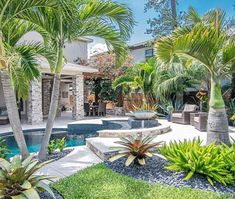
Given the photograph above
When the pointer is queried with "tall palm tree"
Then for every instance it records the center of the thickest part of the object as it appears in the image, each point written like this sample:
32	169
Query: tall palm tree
140	76
10	10
207	44
105	19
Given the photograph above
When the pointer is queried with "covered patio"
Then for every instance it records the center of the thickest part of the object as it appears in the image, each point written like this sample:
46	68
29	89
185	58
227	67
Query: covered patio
73	93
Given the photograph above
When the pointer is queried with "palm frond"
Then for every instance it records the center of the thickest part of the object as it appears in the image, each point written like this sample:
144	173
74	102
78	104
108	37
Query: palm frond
122	81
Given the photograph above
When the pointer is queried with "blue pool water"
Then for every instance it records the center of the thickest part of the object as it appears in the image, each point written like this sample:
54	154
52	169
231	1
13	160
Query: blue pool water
34	139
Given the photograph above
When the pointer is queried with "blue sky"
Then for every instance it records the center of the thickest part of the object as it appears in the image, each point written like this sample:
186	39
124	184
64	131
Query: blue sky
141	17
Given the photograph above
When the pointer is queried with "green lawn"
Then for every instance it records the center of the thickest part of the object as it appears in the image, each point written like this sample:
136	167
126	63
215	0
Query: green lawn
99	182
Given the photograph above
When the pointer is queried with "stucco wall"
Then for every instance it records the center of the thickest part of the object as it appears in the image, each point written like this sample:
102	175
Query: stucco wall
139	54
76	49
73	49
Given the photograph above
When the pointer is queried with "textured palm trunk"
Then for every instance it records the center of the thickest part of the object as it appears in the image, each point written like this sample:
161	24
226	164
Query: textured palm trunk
12	110
53	106
217	125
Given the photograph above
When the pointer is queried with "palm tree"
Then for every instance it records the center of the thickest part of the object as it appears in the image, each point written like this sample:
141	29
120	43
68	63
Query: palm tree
170	82
140	76
105	19
9	11
205	43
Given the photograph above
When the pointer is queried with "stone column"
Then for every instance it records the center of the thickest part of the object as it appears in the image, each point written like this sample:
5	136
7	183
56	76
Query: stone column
35	102
78	97
46	95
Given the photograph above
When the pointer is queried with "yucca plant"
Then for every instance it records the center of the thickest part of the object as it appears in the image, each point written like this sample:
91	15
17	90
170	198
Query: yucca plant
191	157
17	180
135	148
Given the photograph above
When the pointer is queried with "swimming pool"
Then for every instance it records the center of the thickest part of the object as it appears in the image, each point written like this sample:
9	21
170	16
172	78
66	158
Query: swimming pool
33	140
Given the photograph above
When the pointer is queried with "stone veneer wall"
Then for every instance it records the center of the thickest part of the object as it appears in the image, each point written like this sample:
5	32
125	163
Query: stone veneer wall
78	97
35	102
46	96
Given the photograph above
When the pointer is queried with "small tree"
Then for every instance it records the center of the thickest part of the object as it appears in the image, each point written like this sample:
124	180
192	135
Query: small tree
167	18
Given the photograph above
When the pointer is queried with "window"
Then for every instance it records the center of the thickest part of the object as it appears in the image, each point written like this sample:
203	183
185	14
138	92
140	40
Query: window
148	53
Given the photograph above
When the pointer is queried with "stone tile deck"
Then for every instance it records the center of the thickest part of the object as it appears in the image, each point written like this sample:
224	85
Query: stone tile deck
81	157
101	146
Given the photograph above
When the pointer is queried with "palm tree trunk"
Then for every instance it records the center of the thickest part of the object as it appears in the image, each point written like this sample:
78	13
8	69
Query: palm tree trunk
217	124
53	105
12	110
51	117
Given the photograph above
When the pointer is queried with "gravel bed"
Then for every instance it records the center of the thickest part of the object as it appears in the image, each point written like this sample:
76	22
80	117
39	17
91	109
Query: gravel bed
46	195
58	155
155	172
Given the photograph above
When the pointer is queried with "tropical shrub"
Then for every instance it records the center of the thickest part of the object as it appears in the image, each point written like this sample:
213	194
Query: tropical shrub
3	148
17	179
51	147
229	157
135	148
191	157
61	143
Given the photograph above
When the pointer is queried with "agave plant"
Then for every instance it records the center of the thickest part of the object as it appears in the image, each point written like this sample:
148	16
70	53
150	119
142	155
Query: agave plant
17	180
135	148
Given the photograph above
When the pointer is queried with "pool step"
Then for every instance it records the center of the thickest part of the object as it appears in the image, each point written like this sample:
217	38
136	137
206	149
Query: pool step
101	146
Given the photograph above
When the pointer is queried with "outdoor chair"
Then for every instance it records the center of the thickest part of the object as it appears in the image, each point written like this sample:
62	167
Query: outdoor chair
102	109
183	117
87	109
200	121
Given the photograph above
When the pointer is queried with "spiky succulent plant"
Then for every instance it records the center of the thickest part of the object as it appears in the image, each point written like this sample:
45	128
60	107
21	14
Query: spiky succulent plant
17	180
135	148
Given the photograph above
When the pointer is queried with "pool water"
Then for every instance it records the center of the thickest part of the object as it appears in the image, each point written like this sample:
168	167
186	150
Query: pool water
34	139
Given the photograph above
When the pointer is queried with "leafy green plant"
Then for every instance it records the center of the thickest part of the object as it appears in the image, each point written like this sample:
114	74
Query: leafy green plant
191	157
229	157
135	148
61	143
17	179
51	147
3	148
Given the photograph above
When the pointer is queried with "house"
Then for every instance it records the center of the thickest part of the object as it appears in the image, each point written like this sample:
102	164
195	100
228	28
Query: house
72	83
142	51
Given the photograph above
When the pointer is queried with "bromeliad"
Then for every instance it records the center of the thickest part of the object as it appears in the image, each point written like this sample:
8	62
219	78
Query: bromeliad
135	148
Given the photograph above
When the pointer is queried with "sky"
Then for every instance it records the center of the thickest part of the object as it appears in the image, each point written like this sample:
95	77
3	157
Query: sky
141	17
